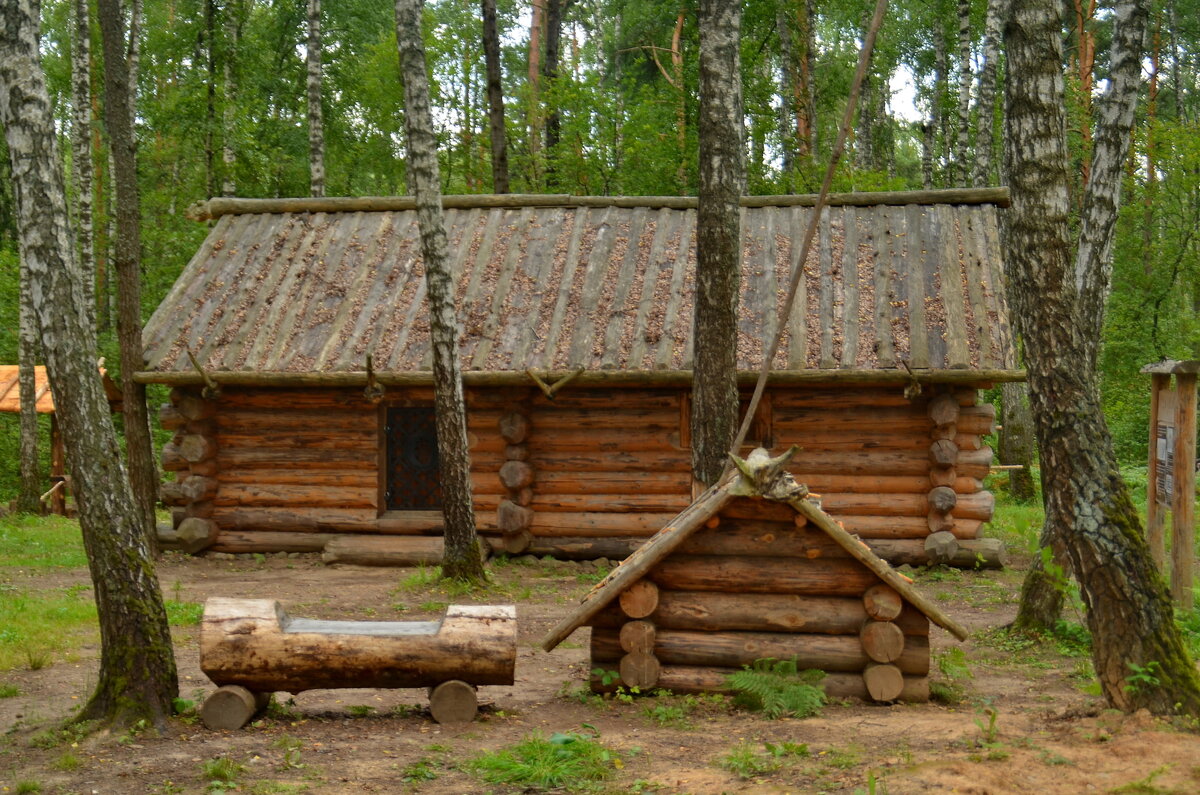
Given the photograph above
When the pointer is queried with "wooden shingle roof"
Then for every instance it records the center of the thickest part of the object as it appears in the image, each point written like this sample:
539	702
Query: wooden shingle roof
559	283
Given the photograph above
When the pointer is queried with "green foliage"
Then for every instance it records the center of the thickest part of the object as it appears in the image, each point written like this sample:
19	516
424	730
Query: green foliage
183	614
1142	676
777	689
564	760
746	761
221	774
952	665
9	690
36	624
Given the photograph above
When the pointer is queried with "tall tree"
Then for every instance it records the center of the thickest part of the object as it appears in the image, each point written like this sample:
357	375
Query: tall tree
554	18
1087	503
316	126
461	560
137	679
985	129
229	108
118	94
962	163
718	240
27	346
495	95
81	135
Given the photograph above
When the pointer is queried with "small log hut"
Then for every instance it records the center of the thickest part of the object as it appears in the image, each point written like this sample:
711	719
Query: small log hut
754	569
297	343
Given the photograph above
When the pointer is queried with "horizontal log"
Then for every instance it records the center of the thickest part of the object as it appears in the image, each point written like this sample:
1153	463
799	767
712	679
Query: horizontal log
940	547
293	399
231	707
253	643
361	520
170	418
982	553
979	420
917	527
512	518
515	542
196	448
637	635
832	577
883	603
761	537
171	493
586	440
884	681
285	476
172	459
289	420
735	649
886	461
621	525
624	461
862	396
513	427
626	502
516	452
297	440
754	612
615	417
550	482
640	599
516	475
943	409
979	505
192	406
197	488
195	534
639	670
943	453
201	510
823	483
299	458
883	641
375	550
690	679
317	494
586	548
244	541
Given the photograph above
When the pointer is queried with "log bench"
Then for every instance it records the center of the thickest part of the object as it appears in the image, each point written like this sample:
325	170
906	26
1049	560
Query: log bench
251	648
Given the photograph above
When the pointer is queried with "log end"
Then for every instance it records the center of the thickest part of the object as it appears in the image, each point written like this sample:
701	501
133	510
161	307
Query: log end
452	702
231	707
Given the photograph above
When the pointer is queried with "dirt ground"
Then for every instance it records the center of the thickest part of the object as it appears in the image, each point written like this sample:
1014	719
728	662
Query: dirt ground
1049	736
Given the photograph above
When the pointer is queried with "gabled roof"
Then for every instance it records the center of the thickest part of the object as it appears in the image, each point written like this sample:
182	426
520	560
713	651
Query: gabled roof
758	476
10	389
557	283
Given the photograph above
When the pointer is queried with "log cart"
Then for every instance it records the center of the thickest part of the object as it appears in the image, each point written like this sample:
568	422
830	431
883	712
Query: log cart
251	648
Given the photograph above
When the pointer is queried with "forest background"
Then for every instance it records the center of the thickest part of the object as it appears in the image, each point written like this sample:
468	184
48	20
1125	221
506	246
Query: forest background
605	103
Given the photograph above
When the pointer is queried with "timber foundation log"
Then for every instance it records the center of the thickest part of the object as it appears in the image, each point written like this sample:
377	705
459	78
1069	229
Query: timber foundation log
253	644
191	455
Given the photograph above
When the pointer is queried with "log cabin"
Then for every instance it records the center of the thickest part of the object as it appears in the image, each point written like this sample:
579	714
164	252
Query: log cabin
755	569
297	344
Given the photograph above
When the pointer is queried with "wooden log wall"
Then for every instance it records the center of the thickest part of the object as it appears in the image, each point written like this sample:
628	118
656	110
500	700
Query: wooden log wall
758	583
192	456
589	473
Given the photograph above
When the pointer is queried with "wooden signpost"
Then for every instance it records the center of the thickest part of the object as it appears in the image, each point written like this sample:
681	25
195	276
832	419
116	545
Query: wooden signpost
1171	471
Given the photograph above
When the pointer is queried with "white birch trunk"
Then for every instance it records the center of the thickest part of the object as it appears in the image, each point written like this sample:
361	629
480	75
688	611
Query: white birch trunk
316	129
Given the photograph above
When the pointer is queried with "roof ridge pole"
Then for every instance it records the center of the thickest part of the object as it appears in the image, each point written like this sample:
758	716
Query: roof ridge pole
839	148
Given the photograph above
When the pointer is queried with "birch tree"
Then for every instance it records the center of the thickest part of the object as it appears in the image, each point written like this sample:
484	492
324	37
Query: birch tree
27	345
316	128
137	678
461	559
714	417
1088	508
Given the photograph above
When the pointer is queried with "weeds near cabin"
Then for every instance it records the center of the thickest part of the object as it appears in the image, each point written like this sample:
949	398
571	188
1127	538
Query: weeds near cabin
62	735
777	689
563	760
361	710
985	721
1144	785
952	687
67	762
8	690
290	748
221	774
874	786
424	769
27	786
1142	676
37	623
746	760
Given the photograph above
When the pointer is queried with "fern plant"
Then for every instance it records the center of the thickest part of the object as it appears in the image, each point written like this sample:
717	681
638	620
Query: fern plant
778	689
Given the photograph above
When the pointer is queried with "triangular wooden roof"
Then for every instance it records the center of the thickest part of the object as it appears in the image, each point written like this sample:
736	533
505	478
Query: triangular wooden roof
10	389
758	476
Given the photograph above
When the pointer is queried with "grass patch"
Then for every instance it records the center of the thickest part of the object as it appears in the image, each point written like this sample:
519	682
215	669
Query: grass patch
36	624
40	542
221	774
777	689
183	614
563	760
8	690
748	760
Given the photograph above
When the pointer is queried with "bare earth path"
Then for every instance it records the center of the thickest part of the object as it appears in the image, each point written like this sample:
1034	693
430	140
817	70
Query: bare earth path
1049	736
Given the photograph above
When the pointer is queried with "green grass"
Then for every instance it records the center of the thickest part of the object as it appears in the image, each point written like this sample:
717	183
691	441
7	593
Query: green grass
40	542
183	614
564	760
35	625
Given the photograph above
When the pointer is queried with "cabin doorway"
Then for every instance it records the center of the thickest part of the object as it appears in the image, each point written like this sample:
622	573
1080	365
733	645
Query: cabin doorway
413	478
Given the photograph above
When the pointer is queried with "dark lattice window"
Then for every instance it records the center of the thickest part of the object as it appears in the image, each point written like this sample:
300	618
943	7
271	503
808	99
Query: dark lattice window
413	482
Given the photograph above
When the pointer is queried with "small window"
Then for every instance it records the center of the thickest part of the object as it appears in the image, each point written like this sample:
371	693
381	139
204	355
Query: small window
413	475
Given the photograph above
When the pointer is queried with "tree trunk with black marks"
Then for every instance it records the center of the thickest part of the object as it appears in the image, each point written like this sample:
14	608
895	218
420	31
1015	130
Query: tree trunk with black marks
985	129
1015	445
962	171
462	559
1087	503
495	94
554	12
27	347
137	679
714	417
81	153
316	128
139	447
229	108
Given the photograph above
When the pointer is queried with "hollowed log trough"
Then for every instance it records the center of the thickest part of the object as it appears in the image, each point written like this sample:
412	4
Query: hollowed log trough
250	648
